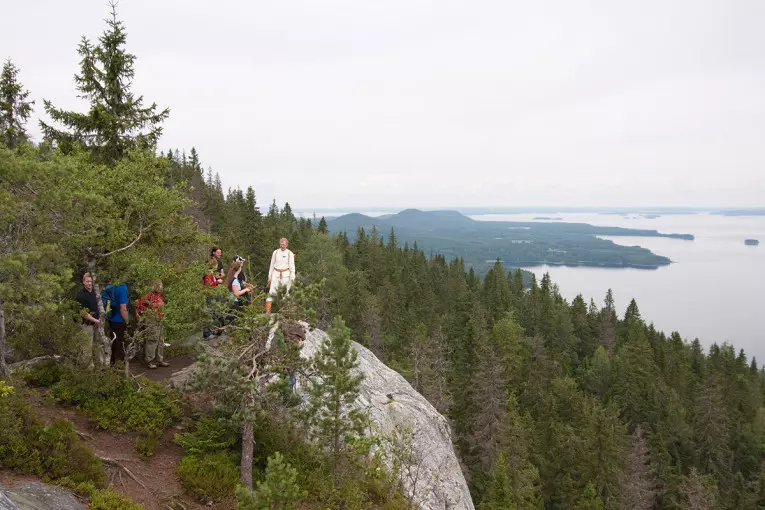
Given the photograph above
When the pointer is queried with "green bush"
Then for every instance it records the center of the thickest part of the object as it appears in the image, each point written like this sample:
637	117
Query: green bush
212	433
117	403
54	452
65	455
110	500
279	490
211	476
45	373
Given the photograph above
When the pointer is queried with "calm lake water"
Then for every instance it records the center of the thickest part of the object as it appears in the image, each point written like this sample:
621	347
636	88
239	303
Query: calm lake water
714	290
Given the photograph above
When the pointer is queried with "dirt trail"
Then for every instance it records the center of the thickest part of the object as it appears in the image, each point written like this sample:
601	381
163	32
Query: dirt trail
161	486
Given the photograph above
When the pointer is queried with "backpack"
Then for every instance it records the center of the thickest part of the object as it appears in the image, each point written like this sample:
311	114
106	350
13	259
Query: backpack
111	308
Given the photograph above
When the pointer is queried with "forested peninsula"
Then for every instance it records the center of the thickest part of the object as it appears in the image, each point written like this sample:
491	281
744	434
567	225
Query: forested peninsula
549	403
516	244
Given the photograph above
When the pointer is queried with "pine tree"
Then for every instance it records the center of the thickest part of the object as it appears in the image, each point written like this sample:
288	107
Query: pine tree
278	491
15	109
117	120
331	412
638	485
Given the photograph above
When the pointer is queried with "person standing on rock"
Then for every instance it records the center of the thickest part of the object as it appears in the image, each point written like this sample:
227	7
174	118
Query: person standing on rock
281	273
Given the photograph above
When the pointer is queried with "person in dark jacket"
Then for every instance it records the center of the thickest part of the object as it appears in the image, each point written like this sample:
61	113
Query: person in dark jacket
87	299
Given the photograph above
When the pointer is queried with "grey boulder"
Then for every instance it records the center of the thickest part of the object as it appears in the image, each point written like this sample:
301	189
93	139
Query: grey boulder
37	496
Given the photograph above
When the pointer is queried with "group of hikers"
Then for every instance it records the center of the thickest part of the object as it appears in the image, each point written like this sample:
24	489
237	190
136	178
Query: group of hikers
148	308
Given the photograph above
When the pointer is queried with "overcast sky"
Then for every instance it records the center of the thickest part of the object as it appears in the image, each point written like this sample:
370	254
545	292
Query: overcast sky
420	103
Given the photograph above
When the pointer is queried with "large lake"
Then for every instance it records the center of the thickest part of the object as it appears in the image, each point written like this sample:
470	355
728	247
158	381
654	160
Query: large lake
714	290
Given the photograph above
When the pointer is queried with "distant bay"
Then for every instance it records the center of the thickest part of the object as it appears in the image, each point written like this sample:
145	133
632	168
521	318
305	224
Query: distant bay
714	289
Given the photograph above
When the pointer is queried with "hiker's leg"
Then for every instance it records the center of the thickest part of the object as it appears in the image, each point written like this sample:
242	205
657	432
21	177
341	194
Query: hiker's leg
118	346
86	353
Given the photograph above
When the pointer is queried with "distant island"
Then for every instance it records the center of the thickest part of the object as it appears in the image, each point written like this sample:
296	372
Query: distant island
547	218
517	244
740	212
751	242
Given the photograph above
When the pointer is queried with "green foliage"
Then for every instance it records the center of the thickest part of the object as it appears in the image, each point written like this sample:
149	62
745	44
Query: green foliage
212	433
109	500
209	468
5	389
15	108
43	374
210	476
52	452
335	421
112	126
119	404
278	491
589	499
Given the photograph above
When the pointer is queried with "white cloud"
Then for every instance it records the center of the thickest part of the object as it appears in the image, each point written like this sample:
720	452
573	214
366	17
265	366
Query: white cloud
424	103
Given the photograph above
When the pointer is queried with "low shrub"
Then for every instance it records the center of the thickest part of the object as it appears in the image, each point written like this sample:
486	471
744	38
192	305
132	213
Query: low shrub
109	500
117	403
100	499
45	373
52	452
211	476
212	433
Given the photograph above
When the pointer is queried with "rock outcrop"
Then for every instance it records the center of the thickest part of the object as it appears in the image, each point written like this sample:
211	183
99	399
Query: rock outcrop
37	496
416	436
432	476
5	503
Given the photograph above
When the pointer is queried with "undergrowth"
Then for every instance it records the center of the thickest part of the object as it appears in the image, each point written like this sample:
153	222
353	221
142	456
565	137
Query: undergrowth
209	469
112	401
101	499
51	452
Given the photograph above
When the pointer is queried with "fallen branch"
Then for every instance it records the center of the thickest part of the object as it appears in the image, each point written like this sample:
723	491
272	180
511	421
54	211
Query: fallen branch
85	436
116	463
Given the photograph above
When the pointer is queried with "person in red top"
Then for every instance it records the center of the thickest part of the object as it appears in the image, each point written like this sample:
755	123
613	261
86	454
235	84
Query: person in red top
148	313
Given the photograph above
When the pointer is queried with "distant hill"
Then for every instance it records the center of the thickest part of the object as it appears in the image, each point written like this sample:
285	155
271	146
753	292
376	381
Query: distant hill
517	244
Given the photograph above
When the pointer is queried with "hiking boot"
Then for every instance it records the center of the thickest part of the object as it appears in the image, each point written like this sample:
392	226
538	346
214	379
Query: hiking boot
163	364
152	366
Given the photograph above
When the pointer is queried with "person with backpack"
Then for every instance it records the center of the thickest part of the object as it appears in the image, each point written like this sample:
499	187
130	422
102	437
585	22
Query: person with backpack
115	301
148	313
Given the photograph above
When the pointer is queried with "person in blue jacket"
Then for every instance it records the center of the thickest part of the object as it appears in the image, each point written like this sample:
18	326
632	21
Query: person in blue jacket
115	300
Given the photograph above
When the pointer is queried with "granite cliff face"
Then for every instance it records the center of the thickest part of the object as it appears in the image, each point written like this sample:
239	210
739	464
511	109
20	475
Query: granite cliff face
417	438
430	472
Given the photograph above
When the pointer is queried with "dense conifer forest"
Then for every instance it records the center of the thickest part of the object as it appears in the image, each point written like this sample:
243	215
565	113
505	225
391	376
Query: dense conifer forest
552	404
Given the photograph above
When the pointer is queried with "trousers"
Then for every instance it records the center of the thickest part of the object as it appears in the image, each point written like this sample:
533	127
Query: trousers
279	280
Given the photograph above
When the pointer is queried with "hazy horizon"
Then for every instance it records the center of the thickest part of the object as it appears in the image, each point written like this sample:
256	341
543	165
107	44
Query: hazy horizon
345	103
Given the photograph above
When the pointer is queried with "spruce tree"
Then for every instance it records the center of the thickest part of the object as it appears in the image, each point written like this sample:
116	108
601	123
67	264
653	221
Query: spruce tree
117	121
335	420
15	109
323	226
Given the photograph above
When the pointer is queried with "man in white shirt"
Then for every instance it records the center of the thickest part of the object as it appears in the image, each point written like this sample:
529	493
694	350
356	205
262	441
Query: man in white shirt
281	272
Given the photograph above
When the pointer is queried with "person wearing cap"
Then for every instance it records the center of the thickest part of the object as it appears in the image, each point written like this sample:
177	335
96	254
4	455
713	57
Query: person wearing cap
242	277
237	290
281	273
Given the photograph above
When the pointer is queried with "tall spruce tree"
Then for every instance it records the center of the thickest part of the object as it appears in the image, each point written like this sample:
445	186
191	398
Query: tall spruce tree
15	108
117	121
